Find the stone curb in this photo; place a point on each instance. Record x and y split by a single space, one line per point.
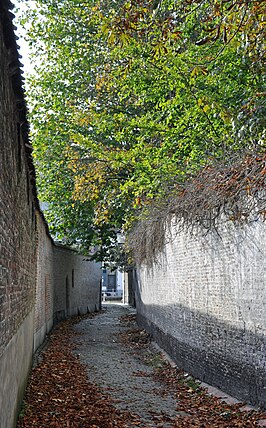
211 390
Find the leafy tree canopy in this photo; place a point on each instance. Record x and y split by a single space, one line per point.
131 97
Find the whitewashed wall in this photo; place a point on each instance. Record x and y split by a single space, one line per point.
205 302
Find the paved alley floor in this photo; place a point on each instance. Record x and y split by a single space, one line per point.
122 370
102 371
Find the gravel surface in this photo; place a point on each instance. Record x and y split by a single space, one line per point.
121 370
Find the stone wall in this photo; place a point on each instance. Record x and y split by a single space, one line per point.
205 302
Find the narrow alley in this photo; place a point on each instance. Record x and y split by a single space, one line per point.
101 370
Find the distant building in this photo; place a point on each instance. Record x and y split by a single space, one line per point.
112 282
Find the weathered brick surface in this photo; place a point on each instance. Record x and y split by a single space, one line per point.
66 283
44 297
31 267
17 237
17 231
206 304
77 284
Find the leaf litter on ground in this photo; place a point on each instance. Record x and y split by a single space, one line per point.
60 395
196 408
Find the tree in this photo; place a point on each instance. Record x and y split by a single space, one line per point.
130 98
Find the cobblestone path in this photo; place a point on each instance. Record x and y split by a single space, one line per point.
113 366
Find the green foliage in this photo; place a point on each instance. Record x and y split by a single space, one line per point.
130 98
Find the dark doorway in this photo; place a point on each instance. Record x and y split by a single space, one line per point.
67 296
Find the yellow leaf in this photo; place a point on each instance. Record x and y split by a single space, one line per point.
111 38
200 101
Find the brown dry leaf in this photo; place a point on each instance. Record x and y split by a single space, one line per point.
59 394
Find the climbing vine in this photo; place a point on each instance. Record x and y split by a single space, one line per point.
225 192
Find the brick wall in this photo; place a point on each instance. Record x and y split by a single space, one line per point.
17 245
206 305
67 283
44 298
77 282
31 267
17 230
